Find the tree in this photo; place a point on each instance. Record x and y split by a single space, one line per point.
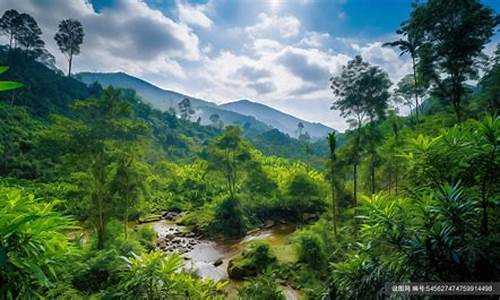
102 123
490 84
10 25
452 35
332 142
345 88
185 109
69 38
228 154
216 121
406 91
410 46
129 183
300 128
29 34
361 91
304 195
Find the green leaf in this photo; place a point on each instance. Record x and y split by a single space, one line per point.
3 69
9 85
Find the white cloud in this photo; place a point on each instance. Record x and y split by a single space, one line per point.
194 15
315 39
387 58
129 37
274 26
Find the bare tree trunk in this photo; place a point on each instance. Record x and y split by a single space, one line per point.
125 223
70 62
372 159
355 183
415 87
334 201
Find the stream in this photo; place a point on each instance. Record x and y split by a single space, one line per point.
209 258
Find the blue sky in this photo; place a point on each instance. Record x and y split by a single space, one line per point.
277 52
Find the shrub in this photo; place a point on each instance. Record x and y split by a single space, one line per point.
263 287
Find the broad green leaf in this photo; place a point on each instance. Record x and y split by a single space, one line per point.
9 85
3 69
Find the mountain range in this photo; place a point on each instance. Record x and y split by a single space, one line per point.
255 117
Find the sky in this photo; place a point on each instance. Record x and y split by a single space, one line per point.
277 52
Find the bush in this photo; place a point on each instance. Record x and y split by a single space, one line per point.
154 276
33 245
252 261
98 271
229 218
263 287
147 237
311 251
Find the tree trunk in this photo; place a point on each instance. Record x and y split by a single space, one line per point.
355 183
372 159
11 38
98 181
70 62
125 217
415 87
334 201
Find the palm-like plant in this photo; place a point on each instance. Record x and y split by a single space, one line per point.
33 244
155 276
8 85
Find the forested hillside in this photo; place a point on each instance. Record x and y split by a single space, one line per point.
104 197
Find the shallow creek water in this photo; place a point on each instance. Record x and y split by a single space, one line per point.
201 255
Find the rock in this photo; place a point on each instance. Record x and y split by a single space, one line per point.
169 236
309 217
149 219
269 224
218 262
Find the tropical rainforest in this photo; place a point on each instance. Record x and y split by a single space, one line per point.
90 174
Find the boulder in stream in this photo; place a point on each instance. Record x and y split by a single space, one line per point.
218 262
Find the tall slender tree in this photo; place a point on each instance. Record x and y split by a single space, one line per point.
362 91
332 142
129 183
409 45
345 88
185 109
29 34
10 24
69 38
103 122
451 35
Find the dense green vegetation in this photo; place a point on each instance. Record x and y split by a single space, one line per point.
394 199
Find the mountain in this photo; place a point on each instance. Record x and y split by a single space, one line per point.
254 117
165 99
280 120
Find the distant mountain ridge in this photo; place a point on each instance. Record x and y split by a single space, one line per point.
282 121
254 116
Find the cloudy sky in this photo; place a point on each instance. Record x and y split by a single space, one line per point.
277 52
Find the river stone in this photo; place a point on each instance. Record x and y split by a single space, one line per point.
218 262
